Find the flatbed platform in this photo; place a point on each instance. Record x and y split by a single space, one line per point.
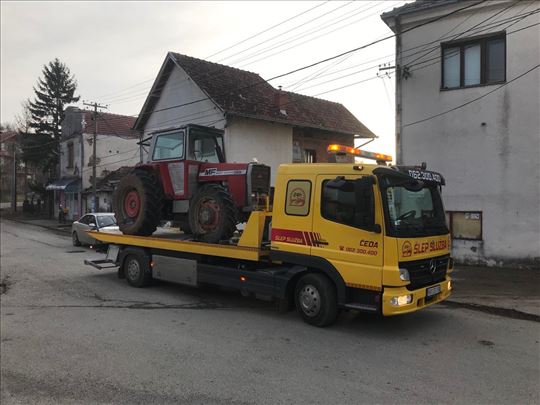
249 246
175 242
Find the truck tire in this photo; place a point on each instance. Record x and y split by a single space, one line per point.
137 203
316 299
137 270
212 214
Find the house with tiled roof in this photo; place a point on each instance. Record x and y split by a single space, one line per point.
116 146
260 121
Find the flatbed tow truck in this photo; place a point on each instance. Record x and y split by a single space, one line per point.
366 237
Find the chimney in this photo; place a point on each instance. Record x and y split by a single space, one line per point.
280 101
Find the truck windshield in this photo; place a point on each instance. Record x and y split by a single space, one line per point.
414 210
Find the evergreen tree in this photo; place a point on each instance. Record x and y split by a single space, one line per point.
53 92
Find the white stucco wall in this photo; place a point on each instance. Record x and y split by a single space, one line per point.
180 89
112 153
269 143
488 151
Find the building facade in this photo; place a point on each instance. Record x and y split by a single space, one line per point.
468 104
116 146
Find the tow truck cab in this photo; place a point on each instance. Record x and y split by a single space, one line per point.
379 232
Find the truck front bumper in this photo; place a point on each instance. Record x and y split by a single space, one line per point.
399 300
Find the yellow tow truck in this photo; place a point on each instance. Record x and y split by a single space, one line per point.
366 237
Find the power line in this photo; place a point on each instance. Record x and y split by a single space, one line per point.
437 47
128 98
286 32
458 35
473 100
437 59
223 50
312 39
306 33
124 89
323 60
348 85
318 62
267 29
422 45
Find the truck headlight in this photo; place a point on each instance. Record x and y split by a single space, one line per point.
404 275
401 300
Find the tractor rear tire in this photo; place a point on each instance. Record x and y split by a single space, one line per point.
137 203
212 214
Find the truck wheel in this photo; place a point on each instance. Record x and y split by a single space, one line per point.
137 203
316 299
212 214
137 270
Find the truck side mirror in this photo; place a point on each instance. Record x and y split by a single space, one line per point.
365 203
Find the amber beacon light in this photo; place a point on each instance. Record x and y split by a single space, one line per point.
349 150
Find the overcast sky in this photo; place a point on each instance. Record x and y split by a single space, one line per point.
115 49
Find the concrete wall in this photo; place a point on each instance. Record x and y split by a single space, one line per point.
489 150
268 142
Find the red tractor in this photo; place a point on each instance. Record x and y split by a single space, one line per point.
187 180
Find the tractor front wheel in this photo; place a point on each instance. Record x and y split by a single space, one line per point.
137 203
212 214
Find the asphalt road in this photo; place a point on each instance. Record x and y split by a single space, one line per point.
73 334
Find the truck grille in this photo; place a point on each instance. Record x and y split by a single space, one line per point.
423 272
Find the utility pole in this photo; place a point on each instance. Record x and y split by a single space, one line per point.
94 180
14 180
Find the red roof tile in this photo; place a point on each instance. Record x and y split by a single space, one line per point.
110 124
243 93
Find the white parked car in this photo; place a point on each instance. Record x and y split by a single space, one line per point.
99 221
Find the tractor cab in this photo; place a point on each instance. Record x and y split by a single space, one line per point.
192 142
186 179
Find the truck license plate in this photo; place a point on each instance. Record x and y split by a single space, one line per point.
431 291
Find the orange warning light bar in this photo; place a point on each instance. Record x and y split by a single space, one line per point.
334 148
